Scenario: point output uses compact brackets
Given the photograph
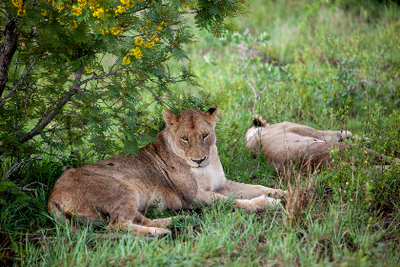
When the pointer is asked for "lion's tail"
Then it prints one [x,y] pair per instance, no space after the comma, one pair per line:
[258,121]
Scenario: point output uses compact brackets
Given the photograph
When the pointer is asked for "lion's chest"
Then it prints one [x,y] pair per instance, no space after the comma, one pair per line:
[209,178]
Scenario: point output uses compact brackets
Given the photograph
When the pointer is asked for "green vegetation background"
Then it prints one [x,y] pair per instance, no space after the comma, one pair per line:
[327,64]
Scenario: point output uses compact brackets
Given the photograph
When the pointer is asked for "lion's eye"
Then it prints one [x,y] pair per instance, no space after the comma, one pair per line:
[185,139]
[205,136]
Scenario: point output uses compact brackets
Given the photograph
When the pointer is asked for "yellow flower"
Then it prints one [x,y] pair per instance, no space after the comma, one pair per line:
[126,60]
[164,24]
[22,11]
[136,53]
[115,30]
[61,8]
[92,3]
[44,13]
[195,4]
[98,12]
[185,4]
[131,4]
[82,2]
[77,11]
[159,28]
[154,38]
[120,9]
[88,69]
[105,31]
[150,45]
[125,2]
[18,3]
[73,24]
[138,41]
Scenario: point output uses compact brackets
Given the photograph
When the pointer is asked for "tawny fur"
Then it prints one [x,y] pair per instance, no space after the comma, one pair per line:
[291,143]
[181,169]
[288,143]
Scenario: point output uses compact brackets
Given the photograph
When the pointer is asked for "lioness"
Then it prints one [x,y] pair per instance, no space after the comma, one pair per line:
[181,169]
[287,142]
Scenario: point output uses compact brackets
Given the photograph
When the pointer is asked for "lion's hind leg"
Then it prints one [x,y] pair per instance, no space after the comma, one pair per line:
[142,220]
[137,228]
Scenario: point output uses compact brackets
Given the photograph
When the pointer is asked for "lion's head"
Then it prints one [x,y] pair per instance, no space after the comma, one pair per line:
[192,135]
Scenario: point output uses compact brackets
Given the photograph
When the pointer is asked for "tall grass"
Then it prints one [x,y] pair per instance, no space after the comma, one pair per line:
[326,64]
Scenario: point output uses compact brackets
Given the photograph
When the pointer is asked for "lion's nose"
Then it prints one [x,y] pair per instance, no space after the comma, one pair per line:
[198,161]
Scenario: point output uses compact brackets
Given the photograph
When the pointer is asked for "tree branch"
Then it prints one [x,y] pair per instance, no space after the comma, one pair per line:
[147,88]
[50,116]
[27,189]
[7,50]
[64,128]
[20,81]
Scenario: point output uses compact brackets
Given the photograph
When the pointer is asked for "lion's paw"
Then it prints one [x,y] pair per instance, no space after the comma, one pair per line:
[276,193]
[263,201]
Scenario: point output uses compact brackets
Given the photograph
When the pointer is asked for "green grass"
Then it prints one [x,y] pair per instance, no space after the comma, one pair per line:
[326,65]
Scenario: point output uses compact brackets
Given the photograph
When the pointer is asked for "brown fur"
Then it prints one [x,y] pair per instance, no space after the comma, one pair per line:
[180,169]
[291,143]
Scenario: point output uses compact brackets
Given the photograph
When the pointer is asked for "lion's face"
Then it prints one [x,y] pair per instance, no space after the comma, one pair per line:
[192,135]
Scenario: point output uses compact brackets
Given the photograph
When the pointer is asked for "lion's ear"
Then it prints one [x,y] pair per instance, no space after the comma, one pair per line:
[212,114]
[169,117]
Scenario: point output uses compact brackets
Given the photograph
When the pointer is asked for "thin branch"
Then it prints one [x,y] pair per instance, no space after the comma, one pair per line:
[147,76]
[60,129]
[20,81]
[99,77]
[147,88]
[8,47]
[26,189]
[13,167]
[50,116]
[76,112]
[17,164]
[254,91]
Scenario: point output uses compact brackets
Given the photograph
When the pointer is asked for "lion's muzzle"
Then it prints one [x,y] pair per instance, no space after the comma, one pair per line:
[198,161]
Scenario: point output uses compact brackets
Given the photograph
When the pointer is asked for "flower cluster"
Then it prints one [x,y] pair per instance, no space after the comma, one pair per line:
[73,24]
[138,41]
[44,13]
[152,40]
[21,7]
[186,4]
[97,13]
[136,53]
[61,8]
[82,2]
[113,31]
[77,11]
[128,3]
[126,60]
[93,4]
[121,9]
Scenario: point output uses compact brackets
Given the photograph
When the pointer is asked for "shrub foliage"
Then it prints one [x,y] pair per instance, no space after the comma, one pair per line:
[80,74]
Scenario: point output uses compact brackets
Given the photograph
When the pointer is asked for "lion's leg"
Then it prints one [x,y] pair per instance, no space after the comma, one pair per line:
[137,229]
[124,214]
[249,191]
[330,136]
[142,220]
[256,204]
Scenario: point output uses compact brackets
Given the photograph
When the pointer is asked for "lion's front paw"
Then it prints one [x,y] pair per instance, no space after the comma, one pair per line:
[258,203]
[263,201]
[276,193]
[159,232]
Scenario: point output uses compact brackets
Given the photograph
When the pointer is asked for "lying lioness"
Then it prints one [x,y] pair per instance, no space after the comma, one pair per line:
[291,143]
[181,169]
